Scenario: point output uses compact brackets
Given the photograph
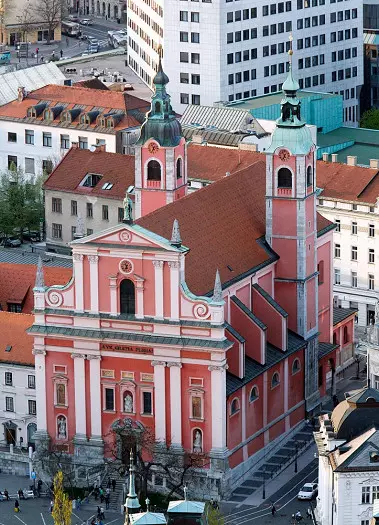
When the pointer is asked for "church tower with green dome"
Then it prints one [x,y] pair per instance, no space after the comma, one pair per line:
[160,153]
[291,227]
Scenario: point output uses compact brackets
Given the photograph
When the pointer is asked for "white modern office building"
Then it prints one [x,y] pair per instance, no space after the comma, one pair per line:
[227,50]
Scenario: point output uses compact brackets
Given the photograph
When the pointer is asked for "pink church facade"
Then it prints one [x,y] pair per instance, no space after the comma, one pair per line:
[210,336]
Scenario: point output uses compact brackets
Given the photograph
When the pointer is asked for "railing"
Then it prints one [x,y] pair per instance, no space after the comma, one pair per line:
[153,184]
[285,192]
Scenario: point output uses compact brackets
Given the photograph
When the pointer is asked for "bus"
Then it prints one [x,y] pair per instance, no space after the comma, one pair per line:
[70,28]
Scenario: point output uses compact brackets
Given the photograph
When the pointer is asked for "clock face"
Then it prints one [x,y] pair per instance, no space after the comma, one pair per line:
[126,266]
[153,148]
[284,155]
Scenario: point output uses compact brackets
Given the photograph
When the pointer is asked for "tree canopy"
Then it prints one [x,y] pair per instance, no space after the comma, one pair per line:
[370,119]
[62,508]
[21,203]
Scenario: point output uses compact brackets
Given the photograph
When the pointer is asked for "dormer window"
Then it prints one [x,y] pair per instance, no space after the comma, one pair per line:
[101,122]
[48,115]
[91,179]
[31,113]
[66,116]
[110,122]
[284,178]
[84,119]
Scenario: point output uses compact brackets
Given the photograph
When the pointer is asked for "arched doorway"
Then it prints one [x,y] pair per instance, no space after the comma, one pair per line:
[127,297]
[10,432]
[31,430]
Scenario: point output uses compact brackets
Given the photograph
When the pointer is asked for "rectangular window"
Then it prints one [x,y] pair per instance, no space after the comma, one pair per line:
[56,205]
[371,281]
[371,255]
[29,166]
[8,378]
[265,31]
[183,57]
[83,142]
[74,208]
[147,400]
[56,231]
[32,407]
[195,38]
[9,405]
[183,36]
[365,495]
[195,79]
[195,17]
[337,222]
[46,139]
[65,142]
[183,16]
[89,210]
[237,16]
[354,279]
[254,33]
[89,231]
[73,232]
[195,58]
[109,399]
[265,10]
[12,162]
[337,276]
[195,100]
[354,228]
[105,212]
[184,98]
[320,269]
[196,402]
[29,136]
[47,166]
[12,137]
[31,382]
[253,12]
[354,253]
[120,214]
[337,251]
[371,230]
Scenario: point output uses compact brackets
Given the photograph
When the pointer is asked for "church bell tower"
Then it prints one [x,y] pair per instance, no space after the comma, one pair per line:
[160,153]
[291,228]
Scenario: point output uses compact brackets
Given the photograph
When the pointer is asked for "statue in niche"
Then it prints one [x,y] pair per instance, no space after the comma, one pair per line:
[128,403]
[62,428]
[197,442]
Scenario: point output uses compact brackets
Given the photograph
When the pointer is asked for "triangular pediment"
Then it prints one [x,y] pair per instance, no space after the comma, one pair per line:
[124,235]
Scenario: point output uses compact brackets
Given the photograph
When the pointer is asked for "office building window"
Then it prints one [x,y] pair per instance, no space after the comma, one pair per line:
[371,281]
[9,404]
[371,255]
[195,100]
[56,205]
[183,16]
[195,79]
[47,139]
[56,231]
[183,57]
[195,58]
[183,36]
[65,142]
[354,253]
[184,98]
[337,276]
[337,251]
[29,136]
[354,279]
[12,162]
[29,165]
[12,137]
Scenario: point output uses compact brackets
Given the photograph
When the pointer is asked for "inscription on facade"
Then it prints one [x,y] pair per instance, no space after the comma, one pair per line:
[131,349]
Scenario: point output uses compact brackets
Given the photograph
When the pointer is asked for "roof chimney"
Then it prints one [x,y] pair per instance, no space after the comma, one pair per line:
[246,146]
[227,174]
[325,157]
[334,157]
[351,160]
[374,163]
[21,93]
[197,138]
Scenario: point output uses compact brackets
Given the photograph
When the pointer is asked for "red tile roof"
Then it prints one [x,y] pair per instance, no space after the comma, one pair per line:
[17,282]
[350,183]
[116,168]
[70,97]
[13,334]
[93,83]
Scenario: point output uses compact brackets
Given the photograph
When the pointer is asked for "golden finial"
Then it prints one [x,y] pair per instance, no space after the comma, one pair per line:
[160,51]
[290,52]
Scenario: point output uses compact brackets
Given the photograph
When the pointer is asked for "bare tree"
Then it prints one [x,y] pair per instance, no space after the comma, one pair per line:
[49,12]
[152,457]
[25,20]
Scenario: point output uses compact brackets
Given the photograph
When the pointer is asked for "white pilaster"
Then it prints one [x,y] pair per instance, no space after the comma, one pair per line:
[95,395]
[139,293]
[159,400]
[94,282]
[80,395]
[174,289]
[176,403]
[218,395]
[40,372]
[158,266]
[113,294]
[79,288]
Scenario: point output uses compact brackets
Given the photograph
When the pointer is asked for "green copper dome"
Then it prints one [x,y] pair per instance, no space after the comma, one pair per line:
[161,123]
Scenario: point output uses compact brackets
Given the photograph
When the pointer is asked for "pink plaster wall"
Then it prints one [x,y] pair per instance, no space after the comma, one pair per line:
[324,292]
[286,296]
[287,251]
[296,380]
[243,295]
[284,217]
[275,396]
[266,282]
[254,409]
[249,330]
[233,355]
[270,317]
[234,422]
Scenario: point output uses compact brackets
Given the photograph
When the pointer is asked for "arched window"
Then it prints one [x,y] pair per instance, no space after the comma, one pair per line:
[157,107]
[295,366]
[153,170]
[284,178]
[127,297]
[128,405]
[234,406]
[179,169]
[309,176]
[275,381]
[253,394]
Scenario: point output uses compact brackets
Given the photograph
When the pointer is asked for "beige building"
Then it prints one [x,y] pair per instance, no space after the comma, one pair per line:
[84,195]
[25,21]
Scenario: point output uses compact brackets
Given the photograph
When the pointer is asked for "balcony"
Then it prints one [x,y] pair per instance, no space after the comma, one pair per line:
[153,184]
[285,192]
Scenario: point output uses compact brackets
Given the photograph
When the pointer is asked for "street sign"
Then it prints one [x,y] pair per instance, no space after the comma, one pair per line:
[33,475]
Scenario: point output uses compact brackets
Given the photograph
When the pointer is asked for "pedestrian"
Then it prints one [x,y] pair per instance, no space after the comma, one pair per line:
[335,401]
[102,515]
[51,506]
[67,41]
[273,510]
[21,494]
[113,484]
[309,514]
[107,501]
[101,495]
[108,491]
[16,506]
[61,52]
[6,494]
[41,59]
[78,503]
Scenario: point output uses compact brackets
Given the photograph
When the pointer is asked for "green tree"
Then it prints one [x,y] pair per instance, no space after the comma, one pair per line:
[370,119]
[62,505]
[214,516]
[21,203]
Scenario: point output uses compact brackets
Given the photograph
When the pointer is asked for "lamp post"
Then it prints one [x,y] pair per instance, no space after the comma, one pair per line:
[296,446]
[264,482]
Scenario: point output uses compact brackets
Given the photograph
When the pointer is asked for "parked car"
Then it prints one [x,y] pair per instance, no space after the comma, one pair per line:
[74,18]
[12,243]
[86,22]
[308,491]
[32,236]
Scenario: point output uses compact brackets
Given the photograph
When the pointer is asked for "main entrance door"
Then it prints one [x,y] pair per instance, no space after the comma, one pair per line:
[10,436]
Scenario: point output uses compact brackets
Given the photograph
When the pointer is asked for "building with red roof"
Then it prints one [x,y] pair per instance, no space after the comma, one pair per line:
[206,318]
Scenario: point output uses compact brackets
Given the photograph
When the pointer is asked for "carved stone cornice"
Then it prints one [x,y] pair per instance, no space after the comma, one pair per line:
[158,264]
[174,264]
[78,356]
[94,259]
[217,368]
[158,363]
[38,351]
[174,363]
[93,357]
[78,257]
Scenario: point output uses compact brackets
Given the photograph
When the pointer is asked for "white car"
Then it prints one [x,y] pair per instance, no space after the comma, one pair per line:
[308,491]
[86,22]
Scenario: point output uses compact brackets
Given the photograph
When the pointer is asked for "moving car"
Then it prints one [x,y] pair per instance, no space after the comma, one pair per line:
[12,243]
[308,491]
[86,22]
[93,45]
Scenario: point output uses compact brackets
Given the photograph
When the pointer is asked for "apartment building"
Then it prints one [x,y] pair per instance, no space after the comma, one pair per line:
[236,49]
